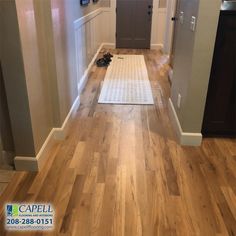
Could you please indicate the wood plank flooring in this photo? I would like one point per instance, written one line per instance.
(121, 172)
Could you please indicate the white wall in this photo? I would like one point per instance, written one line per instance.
(158, 26)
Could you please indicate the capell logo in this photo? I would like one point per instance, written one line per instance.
(9, 210)
(12, 210)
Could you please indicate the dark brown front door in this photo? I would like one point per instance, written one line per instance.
(133, 23)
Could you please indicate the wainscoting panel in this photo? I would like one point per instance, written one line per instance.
(87, 39)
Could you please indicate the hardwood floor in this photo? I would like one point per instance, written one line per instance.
(5, 178)
(121, 172)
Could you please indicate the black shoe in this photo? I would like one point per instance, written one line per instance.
(107, 59)
(108, 55)
(102, 62)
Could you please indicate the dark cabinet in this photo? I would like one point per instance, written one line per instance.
(220, 110)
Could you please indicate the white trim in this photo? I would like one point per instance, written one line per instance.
(82, 20)
(26, 163)
(162, 10)
(185, 139)
(60, 133)
(158, 24)
(108, 45)
(84, 78)
(155, 26)
(157, 46)
(36, 163)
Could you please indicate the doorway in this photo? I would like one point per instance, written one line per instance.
(133, 23)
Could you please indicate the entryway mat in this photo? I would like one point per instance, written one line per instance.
(126, 81)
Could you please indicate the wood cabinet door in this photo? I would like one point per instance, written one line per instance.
(220, 111)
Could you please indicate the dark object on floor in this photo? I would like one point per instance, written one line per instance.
(102, 62)
(105, 61)
(108, 55)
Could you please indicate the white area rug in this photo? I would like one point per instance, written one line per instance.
(126, 81)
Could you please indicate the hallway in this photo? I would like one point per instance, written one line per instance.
(121, 172)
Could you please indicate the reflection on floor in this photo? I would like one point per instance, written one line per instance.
(121, 172)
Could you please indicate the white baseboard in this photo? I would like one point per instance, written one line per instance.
(84, 78)
(185, 139)
(36, 163)
(109, 45)
(157, 46)
(61, 133)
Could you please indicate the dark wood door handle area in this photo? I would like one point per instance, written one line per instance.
(149, 12)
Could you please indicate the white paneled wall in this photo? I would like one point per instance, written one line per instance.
(88, 40)
(98, 28)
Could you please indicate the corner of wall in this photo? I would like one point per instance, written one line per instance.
(185, 139)
(36, 163)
